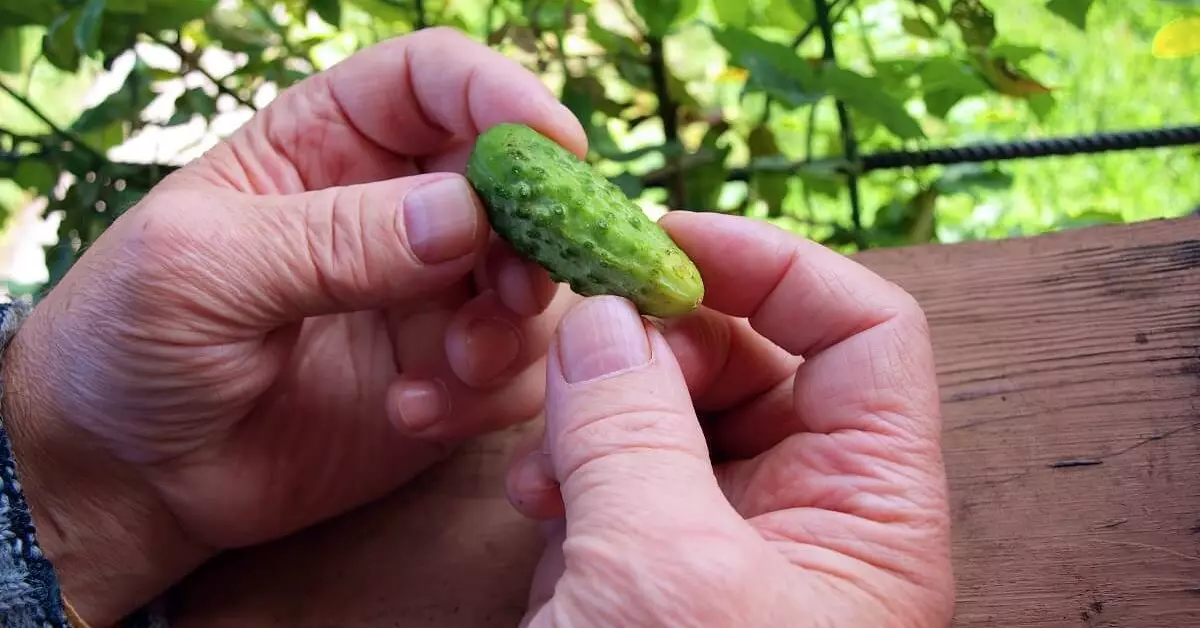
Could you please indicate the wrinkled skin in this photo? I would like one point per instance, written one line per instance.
(278, 333)
(812, 492)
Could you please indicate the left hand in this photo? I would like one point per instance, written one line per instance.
(297, 323)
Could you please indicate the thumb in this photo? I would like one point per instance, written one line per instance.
(357, 247)
(623, 437)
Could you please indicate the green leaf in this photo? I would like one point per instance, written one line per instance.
(703, 183)
(12, 49)
(939, 102)
(933, 5)
(194, 101)
(823, 182)
(1073, 11)
(782, 14)
(770, 187)
(123, 105)
(732, 12)
(128, 6)
(585, 94)
(1090, 218)
(1041, 105)
(774, 68)
(805, 9)
(917, 27)
(950, 73)
(87, 29)
(865, 95)
(659, 15)
(58, 43)
(966, 178)
(906, 221)
(328, 10)
(26, 12)
(1015, 53)
(163, 14)
(975, 21)
(630, 184)
(35, 175)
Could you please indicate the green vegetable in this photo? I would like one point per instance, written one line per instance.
(557, 210)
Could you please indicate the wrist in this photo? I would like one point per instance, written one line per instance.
(112, 542)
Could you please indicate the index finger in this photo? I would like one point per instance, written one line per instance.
(868, 360)
(413, 94)
(402, 106)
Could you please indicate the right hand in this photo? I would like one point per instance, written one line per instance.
(826, 504)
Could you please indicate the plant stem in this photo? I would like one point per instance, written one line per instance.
(669, 113)
(849, 144)
(420, 6)
(66, 136)
(863, 34)
(191, 60)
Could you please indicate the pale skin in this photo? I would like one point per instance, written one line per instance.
(315, 311)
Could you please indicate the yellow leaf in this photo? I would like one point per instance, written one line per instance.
(732, 74)
(1178, 39)
(1006, 79)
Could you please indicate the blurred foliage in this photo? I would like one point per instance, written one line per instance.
(707, 105)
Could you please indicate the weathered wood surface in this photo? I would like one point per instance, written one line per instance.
(1070, 370)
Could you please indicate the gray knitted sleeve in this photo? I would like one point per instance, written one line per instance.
(29, 591)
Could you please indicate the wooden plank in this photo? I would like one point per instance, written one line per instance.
(1070, 374)
(1070, 371)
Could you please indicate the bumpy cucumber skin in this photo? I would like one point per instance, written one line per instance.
(555, 209)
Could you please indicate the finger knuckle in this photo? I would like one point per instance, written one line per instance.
(334, 231)
(626, 432)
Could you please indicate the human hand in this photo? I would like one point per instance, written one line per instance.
(296, 323)
(826, 503)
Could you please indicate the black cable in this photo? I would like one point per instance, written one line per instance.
(1026, 149)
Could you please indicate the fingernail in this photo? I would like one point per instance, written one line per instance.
(492, 346)
(440, 218)
(420, 405)
(531, 476)
(599, 337)
(525, 287)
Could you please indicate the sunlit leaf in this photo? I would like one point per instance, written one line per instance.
(659, 15)
(1179, 38)
(125, 104)
(1073, 11)
(1090, 218)
(732, 12)
(12, 48)
(936, 7)
(804, 9)
(865, 95)
(774, 68)
(329, 10)
(917, 27)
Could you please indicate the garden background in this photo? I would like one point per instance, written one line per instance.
(713, 105)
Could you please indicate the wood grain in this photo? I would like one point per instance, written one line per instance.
(1070, 374)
